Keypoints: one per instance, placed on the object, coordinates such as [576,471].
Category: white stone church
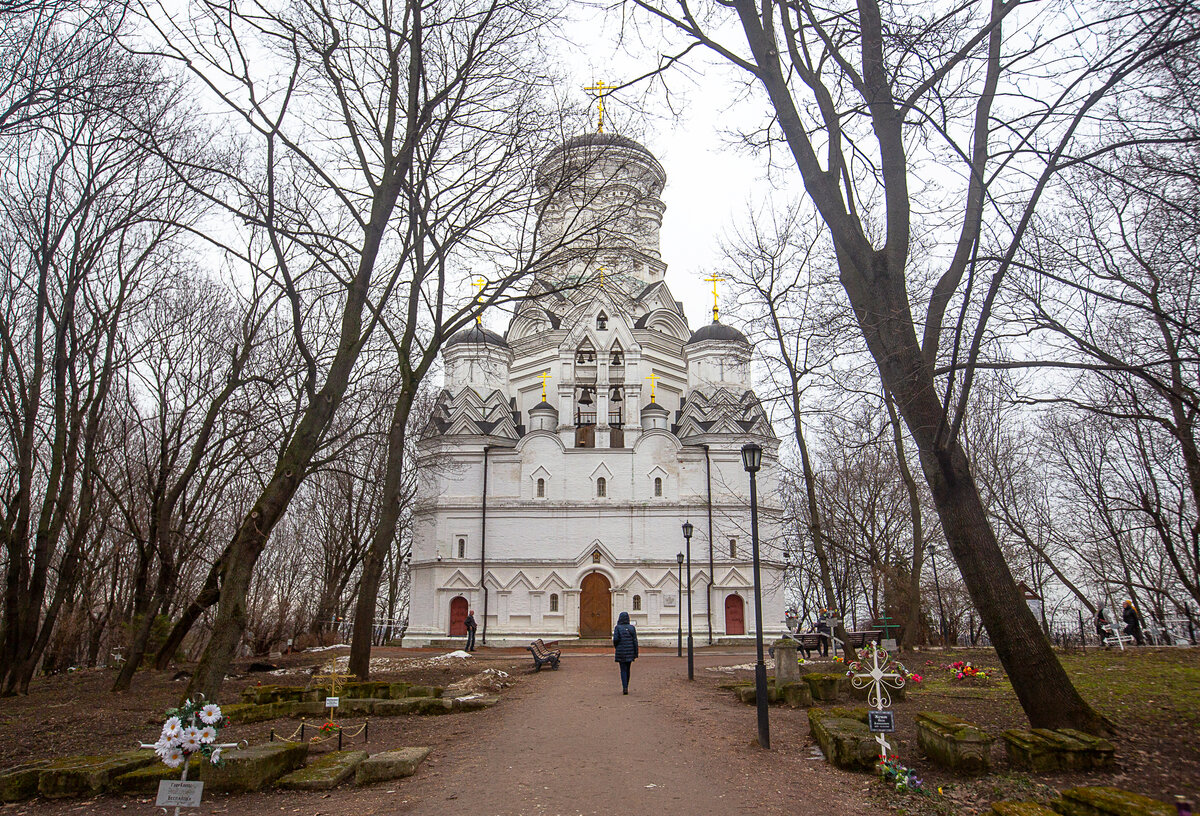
[563,458]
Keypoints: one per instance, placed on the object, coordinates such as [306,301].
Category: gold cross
[602,277]
[599,90]
[714,280]
[481,284]
[336,679]
[653,378]
[545,375]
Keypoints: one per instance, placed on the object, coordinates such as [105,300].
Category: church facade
[564,457]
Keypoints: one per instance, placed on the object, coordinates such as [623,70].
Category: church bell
[585,398]
[616,394]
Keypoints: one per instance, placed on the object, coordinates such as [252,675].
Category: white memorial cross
[881,675]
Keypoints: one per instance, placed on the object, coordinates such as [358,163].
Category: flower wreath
[192,728]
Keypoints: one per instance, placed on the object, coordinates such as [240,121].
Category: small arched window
[462,548]
[637,603]
[553,601]
[733,548]
[657,485]
[601,487]
[541,488]
[601,321]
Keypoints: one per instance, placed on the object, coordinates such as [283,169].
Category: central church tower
[564,456]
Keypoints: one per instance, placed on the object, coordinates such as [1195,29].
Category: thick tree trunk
[209,594]
[912,626]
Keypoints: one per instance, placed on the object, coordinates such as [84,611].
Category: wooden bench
[857,640]
[543,655]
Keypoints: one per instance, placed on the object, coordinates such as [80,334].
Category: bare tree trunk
[912,627]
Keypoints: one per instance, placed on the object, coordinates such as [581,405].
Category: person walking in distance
[626,646]
[471,627]
[823,632]
[1133,625]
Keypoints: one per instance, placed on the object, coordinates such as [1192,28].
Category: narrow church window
[541,488]
[733,548]
[553,601]
[637,603]
[657,485]
[601,487]
[601,321]
[462,548]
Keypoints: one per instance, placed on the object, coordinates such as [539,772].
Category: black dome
[475,334]
[542,406]
[602,140]
[718,331]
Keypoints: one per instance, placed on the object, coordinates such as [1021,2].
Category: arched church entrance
[458,616]
[595,606]
[735,615]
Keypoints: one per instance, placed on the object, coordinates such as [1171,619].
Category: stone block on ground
[954,743]
[474,702]
[1106,801]
[390,765]
[145,780]
[787,669]
[259,695]
[1044,750]
[253,768]
[313,708]
[423,691]
[360,706]
[1020,809]
[247,713]
[749,695]
[796,695]
[21,783]
[363,690]
[324,773]
[844,738]
[398,691]
[88,775]
[827,688]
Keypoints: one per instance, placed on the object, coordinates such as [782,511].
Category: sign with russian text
[881,722]
[331,702]
[176,793]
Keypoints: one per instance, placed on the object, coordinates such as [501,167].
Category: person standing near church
[626,647]
[823,632]
[471,627]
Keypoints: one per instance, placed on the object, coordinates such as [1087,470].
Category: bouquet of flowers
[965,671]
[905,779]
[329,728]
[192,728]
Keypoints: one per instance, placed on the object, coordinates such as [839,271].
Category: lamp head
[687,529]
[751,457]
[679,559]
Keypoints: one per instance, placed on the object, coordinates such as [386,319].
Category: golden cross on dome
[602,277]
[545,375]
[481,284]
[599,90]
[715,280]
[653,378]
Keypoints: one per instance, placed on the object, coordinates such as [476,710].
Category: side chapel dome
[719,332]
[475,334]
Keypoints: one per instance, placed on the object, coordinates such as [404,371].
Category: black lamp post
[679,637]
[687,536]
[938,587]
[752,461]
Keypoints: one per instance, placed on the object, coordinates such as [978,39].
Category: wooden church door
[595,607]
[458,617]
[735,615]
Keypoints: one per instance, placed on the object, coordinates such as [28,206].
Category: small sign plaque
[889,644]
[881,721]
[174,793]
[331,702]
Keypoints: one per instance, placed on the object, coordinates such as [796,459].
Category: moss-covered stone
[371,689]
[21,782]
[475,702]
[313,708]
[827,688]
[1044,750]
[423,691]
[1106,801]
[1020,809]
[390,765]
[796,695]
[954,743]
[255,767]
[749,695]
[358,706]
[398,691]
[324,773]
[846,741]
[396,708]
[145,780]
[88,775]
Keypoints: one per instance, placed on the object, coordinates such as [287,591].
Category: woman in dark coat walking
[625,642]
[1133,625]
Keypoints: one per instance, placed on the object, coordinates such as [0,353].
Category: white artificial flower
[216,756]
[207,734]
[162,747]
[172,731]
[191,739]
[174,758]
[210,714]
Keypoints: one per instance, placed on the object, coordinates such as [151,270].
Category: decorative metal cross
[715,280]
[336,679]
[599,90]
[481,284]
[545,375]
[653,378]
[877,678]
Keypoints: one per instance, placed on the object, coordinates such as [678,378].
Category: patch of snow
[450,656]
[732,669]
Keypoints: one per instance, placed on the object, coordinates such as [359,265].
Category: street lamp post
[752,461]
[687,536]
[679,636]
[938,587]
